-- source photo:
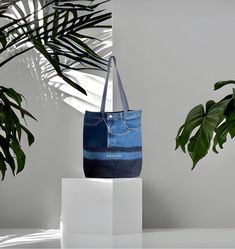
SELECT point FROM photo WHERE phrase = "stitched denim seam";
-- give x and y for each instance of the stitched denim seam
(131, 128)
(93, 124)
(120, 134)
(108, 139)
(116, 134)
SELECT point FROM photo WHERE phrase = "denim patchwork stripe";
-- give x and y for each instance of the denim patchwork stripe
(112, 168)
(112, 155)
(115, 149)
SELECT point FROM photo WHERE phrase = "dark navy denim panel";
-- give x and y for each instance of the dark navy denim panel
(112, 168)
(94, 132)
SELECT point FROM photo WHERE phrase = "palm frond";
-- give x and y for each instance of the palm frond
(57, 29)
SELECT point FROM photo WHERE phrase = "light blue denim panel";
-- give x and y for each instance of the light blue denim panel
(124, 129)
(112, 155)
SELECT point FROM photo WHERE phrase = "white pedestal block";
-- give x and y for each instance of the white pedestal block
(101, 206)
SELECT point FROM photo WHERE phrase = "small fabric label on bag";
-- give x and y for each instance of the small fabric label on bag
(113, 155)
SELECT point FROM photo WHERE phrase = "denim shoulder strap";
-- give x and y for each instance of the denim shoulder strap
(124, 102)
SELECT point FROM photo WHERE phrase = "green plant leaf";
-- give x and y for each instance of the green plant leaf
(230, 120)
(29, 135)
(229, 107)
(10, 121)
(3, 166)
(20, 156)
(209, 104)
(18, 130)
(5, 146)
(220, 137)
(193, 119)
(199, 144)
(215, 124)
(206, 121)
(54, 62)
(233, 93)
(3, 38)
(13, 94)
(11, 153)
(22, 111)
(220, 84)
(2, 113)
(55, 24)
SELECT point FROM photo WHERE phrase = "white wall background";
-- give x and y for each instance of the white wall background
(32, 199)
(169, 53)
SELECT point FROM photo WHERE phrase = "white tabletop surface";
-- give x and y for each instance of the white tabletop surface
(150, 238)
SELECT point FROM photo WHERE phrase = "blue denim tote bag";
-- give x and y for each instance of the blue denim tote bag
(112, 142)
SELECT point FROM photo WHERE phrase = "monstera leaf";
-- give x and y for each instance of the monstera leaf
(206, 124)
(56, 29)
(11, 153)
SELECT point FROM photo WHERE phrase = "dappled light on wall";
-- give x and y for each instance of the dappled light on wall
(94, 86)
(70, 43)
(92, 81)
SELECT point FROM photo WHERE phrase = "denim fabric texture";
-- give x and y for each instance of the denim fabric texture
(112, 142)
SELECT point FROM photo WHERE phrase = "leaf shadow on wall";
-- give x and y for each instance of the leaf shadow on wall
(52, 87)
(71, 42)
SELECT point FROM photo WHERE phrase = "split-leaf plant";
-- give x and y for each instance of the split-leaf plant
(208, 124)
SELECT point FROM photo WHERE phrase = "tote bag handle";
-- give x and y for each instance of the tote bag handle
(124, 102)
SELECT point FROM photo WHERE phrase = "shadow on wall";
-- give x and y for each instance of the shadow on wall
(163, 216)
(56, 88)
(92, 80)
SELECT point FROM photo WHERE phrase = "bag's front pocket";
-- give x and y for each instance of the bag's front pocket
(133, 120)
(133, 123)
(132, 138)
(118, 128)
(122, 127)
(125, 133)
